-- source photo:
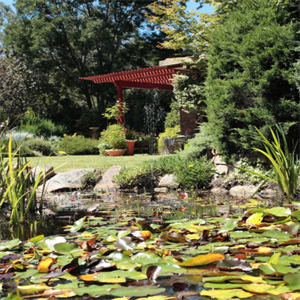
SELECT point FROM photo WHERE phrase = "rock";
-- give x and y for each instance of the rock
(107, 182)
(221, 166)
(269, 193)
(242, 191)
(219, 191)
(48, 172)
(161, 190)
(168, 181)
(66, 180)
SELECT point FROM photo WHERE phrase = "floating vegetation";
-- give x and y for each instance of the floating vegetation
(118, 251)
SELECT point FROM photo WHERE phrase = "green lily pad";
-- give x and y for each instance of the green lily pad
(137, 291)
(78, 225)
(10, 245)
(235, 279)
(293, 281)
(66, 247)
(278, 211)
(228, 226)
(94, 290)
(48, 243)
(277, 234)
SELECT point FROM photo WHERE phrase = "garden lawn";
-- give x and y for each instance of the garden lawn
(102, 163)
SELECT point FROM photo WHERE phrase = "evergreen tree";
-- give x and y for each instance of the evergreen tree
(251, 75)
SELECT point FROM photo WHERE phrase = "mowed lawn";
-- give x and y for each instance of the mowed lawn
(101, 163)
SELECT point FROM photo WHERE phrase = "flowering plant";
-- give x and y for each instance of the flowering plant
(113, 112)
(114, 136)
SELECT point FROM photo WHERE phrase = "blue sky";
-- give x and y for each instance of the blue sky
(192, 5)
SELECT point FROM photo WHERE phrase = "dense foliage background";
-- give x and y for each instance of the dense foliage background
(247, 53)
(53, 43)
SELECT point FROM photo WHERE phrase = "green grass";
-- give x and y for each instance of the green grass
(101, 163)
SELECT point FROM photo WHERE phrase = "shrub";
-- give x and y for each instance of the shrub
(189, 173)
(170, 133)
(22, 149)
(103, 146)
(142, 176)
(40, 126)
(173, 117)
(39, 145)
(78, 145)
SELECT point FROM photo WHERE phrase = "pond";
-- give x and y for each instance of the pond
(179, 245)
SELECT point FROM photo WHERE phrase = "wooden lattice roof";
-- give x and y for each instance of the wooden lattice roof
(159, 77)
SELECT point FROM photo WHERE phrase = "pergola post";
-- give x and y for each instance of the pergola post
(120, 102)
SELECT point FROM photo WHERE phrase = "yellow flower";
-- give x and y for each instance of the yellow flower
(190, 166)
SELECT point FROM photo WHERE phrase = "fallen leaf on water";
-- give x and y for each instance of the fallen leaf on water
(45, 264)
(202, 260)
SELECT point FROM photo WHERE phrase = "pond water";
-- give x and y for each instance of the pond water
(182, 226)
(64, 208)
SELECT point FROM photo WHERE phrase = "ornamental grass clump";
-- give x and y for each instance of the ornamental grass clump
(114, 136)
(17, 185)
(284, 163)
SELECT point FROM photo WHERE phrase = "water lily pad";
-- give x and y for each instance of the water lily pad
(201, 260)
(167, 269)
(48, 243)
(78, 225)
(275, 233)
(36, 238)
(228, 226)
(278, 211)
(293, 281)
(66, 247)
(32, 289)
(226, 294)
(266, 289)
(125, 243)
(45, 264)
(255, 219)
(94, 290)
(238, 278)
(234, 264)
(10, 245)
(137, 291)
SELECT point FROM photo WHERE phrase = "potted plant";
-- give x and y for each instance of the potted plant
(115, 139)
(131, 136)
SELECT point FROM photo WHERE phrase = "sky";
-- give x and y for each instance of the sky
(191, 5)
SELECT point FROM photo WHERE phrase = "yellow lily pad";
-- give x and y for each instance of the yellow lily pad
(201, 260)
(226, 294)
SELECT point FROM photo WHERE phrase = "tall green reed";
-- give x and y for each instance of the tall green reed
(18, 185)
(283, 161)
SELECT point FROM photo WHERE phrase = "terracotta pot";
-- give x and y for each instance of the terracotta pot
(115, 152)
(130, 147)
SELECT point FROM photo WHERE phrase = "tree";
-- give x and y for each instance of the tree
(188, 31)
(17, 87)
(251, 71)
(61, 41)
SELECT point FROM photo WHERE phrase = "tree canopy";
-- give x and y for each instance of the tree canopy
(251, 74)
(61, 41)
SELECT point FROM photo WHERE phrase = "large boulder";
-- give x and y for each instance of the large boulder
(242, 191)
(107, 182)
(168, 181)
(47, 172)
(70, 180)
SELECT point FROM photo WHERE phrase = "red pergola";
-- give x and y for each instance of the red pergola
(159, 78)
